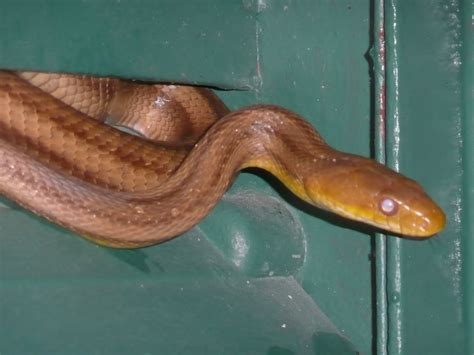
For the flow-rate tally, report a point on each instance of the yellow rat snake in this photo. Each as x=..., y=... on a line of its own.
x=123, y=191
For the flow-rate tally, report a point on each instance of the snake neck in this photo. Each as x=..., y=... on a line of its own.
x=291, y=148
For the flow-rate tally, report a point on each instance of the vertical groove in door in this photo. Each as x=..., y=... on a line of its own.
x=381, y=330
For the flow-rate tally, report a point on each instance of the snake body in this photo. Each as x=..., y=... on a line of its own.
x=122, y=191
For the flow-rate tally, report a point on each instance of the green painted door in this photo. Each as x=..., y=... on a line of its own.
x=263, y=274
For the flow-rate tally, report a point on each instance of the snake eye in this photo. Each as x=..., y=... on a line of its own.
x=388, y=206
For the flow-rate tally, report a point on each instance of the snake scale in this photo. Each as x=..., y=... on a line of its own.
x=123, y=191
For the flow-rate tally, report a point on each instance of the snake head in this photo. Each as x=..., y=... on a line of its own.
x=366, y=191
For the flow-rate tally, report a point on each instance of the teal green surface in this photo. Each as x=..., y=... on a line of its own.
x=182, y=41
x=313, y=61
x=63, y=295
x=430, y=283
x=264, y=273
x=54, y=282
x=467, y=73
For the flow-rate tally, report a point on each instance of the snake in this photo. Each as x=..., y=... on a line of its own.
x=59, y=160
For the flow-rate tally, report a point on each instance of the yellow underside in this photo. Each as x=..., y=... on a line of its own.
x=295, y=185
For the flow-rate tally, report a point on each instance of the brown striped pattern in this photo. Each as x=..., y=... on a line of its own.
x=166, y=113
x=56, y=135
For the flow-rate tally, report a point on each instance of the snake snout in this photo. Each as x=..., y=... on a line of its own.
x=421, y=216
